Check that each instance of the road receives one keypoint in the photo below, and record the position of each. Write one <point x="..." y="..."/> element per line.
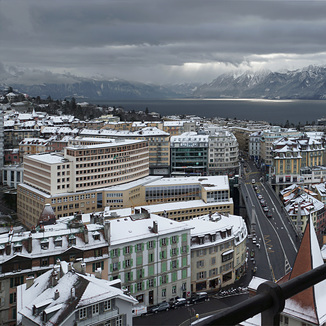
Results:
<point x="275" y="235"/>
<point x="182" y="315"/>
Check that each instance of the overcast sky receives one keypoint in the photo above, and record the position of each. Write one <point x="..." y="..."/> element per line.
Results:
<point x="161" y="41"/>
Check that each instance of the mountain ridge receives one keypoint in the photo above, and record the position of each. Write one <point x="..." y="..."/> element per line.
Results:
<point x="306" y="83"/>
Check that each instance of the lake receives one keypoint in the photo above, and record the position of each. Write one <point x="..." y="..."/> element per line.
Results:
<point x="273" y="111"/>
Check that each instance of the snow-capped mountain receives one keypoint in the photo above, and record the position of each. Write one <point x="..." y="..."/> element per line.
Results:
<point x="308" y="83"/>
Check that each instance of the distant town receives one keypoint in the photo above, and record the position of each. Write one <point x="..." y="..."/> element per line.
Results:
<point x="109" y="214"/>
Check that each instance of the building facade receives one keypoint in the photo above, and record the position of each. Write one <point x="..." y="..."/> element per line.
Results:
<point x="218" y="251"/>
<point x="75" y="180"/>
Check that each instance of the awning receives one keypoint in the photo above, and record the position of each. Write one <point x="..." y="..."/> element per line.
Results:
<point x="227" y="252"/>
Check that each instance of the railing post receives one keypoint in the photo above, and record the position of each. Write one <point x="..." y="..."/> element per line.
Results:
<point x="271" y="316"/>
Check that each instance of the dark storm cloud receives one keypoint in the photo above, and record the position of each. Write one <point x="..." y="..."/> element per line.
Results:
<point x="117" y="37"/>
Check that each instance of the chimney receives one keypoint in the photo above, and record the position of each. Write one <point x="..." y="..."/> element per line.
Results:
<point x="8" y="248"/>
<point x="29" y="243"/>
<point x="107" y="231"/>
<point x="79" y="266"/>
<point x="155" y="227"/>
<point x="54" y="278"/>
<point x="98" y="273"/>
<point x="86" y="234"/>
<point x="73" y="293"/>
<point x="29" y="282"/>
<point x="56" y="294"/>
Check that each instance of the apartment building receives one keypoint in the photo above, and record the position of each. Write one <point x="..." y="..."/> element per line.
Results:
<point x="302" y="206"/>
<point x="218" y="251"/>
<point x="293" y="156"/>
<point x="270" y="136"/>
<point x="223" y="152"/>
<point x="75" y="179"/>
<point x="30" y="254"/>
<point x="158" y="144"/>
<point x="151" y="256"/>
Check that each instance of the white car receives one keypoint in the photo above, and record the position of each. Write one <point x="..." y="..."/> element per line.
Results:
<point x="253" y="181"/>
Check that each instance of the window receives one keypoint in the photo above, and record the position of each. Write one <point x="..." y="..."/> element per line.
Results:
<point x="174" y="264"/>
<point x="200" y="264"/>
<point x="139" y="286"/>
<point x="45" y="261"/>
<point x="13" y="297"/>
<point x="127" y="250"/>
<point x="201" y="275"/>
<point x="163" y="254"/>
<point x="139" y="247"/>
<point x="151" y="283"/>
<point x="174" y="239"/>
<point x="164" y="279"/>
<point x="107" y="305"/>
<point x="174" y="289"/>
<point x="128" y="263"/>
<point x="163" y="242"/>
<point x="128" y="276"/>
<point x="114" y="252"/>
<point x="150" y="258"/>
<point x="115" y="266"/>
<point x="82" y="313"/>
<point x="150" y="244"/>
<point x="174" y="252"/>
<point x="95" y="309"/>
<point x="97" y="252"/>
<point x="119" y="321"/>
<point x="163" y="293"/>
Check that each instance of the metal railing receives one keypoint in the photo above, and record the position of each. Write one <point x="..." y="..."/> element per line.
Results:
<point x="269" y="300"/>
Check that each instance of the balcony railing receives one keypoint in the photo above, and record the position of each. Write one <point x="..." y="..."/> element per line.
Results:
<point x="269" y="300"/>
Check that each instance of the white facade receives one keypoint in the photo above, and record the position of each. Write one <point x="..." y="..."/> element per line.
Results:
<point x="151" y="256"/>
<point x="223" y="152"/>
<point x="12" y="175"/>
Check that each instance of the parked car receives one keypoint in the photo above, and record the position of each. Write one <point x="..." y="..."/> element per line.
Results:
<point x="260" y="197"/>
<point x="269" y="214"/>
<point x="201" y="296"/>
<point x="139" y="310"/>
<point x="179" y="303"/>
<point x="253" y="181"/>
<point x="160" y="307"/>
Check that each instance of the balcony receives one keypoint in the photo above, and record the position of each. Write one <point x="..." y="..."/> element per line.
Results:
<point x="269" y="300"/>
<point x="106" y="315"/>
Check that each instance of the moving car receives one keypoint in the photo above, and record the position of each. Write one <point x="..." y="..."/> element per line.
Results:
<point x="260" y="197"/>
<point x="269" y="214"/>
<point x="265" y="209"/>
<point x="179" y="303"/>
<point x="253" y="181"/>
<point x="201" y="296"/>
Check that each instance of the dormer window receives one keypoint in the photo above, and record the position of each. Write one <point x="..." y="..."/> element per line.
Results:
<point x="45" y="244"/>
<point x="18" y="247"/>
<point x="96" y="235"/>
<point x="72" y="240"/>
<point x="58" y="242"/>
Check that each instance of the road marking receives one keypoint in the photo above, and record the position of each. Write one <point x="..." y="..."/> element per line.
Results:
<point x="268" y="243"/>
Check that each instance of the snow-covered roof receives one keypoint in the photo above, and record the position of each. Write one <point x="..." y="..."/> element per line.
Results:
<point x="87" y="291"/>
<point x="126" y="229"/>
<point x="51" y="158"/>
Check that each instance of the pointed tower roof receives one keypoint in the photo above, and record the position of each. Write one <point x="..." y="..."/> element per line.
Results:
<point x="308" y="305"/>
<point x="47" y="216"/>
